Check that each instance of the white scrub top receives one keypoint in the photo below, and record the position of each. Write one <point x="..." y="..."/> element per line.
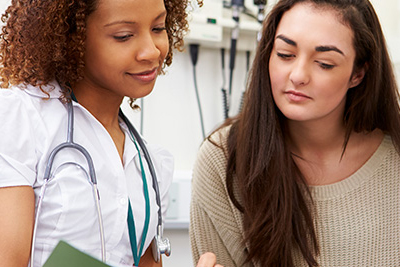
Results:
<point x="32" y="125"/>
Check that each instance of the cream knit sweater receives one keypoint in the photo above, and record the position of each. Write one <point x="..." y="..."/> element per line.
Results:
<point x="357" y="219"/>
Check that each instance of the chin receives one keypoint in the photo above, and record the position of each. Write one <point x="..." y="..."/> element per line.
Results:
<point x="296" y="117"/>
<point x="143" y="92"/>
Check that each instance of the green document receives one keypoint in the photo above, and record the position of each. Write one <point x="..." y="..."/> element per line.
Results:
<point x="64" y="255"/>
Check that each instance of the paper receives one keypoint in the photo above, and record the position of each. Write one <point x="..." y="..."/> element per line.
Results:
<point x="64" y="255"/>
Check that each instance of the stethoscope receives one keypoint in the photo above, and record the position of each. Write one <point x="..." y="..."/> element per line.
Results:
<point x="160" y="245"/>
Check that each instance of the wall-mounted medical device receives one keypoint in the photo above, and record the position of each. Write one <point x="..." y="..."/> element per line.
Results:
<point x="227" y="25"/>
<point x="212" y="24"/>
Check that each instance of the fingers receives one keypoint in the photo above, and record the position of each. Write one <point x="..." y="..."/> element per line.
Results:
<point x="208" y="259"/>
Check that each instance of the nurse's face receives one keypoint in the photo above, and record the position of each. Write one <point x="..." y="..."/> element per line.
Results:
<point x="311" y="65"/>
<point x="126" y="45"/>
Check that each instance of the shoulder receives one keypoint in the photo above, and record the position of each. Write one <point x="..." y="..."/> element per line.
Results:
<point x="22" y="133"/>
<point x="209" y="172"/>
<point x="51" y="90"/>
<point x="26" y="96"/>
<point x="25" y="104"/>
<point x="16" y="107"/>
<point x="388" y="157"/>
<point x="214" y="148"/>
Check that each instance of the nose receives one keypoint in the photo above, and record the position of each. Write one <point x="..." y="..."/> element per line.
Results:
<point x="300" y="73"/>
<point x="148" y="49"/>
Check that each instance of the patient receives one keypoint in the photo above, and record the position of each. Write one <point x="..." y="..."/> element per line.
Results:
<point x="309" y="173"/>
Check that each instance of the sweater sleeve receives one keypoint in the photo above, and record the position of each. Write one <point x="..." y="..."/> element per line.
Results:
<point x="205" y="238"/>
<point x="215" y="224"/>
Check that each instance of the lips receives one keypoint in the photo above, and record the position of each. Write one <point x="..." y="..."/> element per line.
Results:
<point x="145" y="76"/>
<point x="296" y="96"/>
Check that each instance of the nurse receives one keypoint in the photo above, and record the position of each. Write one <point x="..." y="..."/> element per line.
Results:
<point x="96" y="52"/>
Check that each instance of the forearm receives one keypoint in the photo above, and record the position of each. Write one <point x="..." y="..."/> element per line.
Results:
<point x="147" y="259"/>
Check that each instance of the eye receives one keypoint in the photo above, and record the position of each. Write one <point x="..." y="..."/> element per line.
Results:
<point x="284" y="56"/>
<point x="122" y="38"/>
<point x="159" y="29"/>
<point x="326" y="66"/>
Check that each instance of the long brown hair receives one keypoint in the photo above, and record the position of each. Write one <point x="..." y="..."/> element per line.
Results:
<point x="263" y="180"/>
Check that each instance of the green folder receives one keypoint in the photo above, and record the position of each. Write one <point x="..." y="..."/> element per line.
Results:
<point x="64" y="255"/>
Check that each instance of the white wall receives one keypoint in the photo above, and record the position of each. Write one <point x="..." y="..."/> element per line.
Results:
<point x="171" y="115"/>
<point x="4" y="4"/>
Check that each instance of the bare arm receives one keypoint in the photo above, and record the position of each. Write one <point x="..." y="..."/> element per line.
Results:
<point x="147" y="259"/>
<point x="17" y="209"/>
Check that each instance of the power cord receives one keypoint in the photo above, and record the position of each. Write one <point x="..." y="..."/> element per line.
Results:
<point x="225" y="103"/>
<point x="237" y="8"/>
<point x="247" y="74"/>
<point x="194" y="53"/>
<point x="141" y="115"/>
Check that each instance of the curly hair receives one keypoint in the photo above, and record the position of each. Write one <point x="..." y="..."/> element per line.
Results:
<point x="43" y="41"/>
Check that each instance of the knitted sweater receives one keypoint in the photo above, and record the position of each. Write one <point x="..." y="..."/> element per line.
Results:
<point x="357" y="219"/>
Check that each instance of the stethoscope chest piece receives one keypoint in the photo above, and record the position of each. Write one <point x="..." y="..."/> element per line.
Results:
<point x="160" y="246"/>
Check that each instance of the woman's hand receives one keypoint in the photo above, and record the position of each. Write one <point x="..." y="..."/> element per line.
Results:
<point x="208" y="259"/>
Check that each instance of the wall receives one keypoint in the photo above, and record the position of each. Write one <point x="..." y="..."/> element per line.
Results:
<point x="171" y="116"/>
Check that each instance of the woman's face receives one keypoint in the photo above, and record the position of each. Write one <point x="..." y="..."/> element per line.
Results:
<point x="311" y="64"/>
<point x="126" y="45"/>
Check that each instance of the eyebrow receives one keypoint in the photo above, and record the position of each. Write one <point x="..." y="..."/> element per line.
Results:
<point x="286" y="40"/>
<point x="327" y="48"/>
<point x="162" y="14"/>
<point x="321" y="48"/>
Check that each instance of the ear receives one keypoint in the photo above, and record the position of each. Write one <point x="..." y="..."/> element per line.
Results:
<point x="357" y="77"/>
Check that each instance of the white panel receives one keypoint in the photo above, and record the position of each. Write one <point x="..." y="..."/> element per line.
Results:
<point x="3" y="6"/>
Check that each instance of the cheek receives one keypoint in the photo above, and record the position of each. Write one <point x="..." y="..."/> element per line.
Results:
<point x="163" y="46"/>
<point x="96" y="52"/>
<point x="276" y="77"/>
<point x="98" y="62"/>
<point x="337" y="87"/>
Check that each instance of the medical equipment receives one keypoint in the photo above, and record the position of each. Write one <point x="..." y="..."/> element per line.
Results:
<point x="223" y="90"/>
<point x="160" y="245"/>
<point x="209" y="27"/>
<point x="237" y="8"/>
<point x="194" y="54"/>
<point x="260" y="16"/>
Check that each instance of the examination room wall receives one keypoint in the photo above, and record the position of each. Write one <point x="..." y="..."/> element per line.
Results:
<point x="171" y="115"/>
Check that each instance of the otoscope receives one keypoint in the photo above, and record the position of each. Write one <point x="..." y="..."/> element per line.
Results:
<point x="237" y="7"/>
<point x="260" y="16"/>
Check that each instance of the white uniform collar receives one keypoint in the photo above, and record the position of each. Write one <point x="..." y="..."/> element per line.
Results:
<point x="53" y="89"/>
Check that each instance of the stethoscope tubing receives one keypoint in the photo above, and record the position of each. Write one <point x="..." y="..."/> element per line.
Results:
<point x="160" y="245"/>
<point x="93" y="180"/>
<point x="92" y="175"/>
<point x="149" y="163"/>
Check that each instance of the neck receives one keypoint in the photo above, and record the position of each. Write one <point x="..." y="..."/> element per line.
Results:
<point x="310" y="140"/>
<point x="102" y="104"/>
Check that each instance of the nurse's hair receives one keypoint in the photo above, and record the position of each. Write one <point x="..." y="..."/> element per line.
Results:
<point x="263" y="180"/>
<point x="43" y="41"/>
